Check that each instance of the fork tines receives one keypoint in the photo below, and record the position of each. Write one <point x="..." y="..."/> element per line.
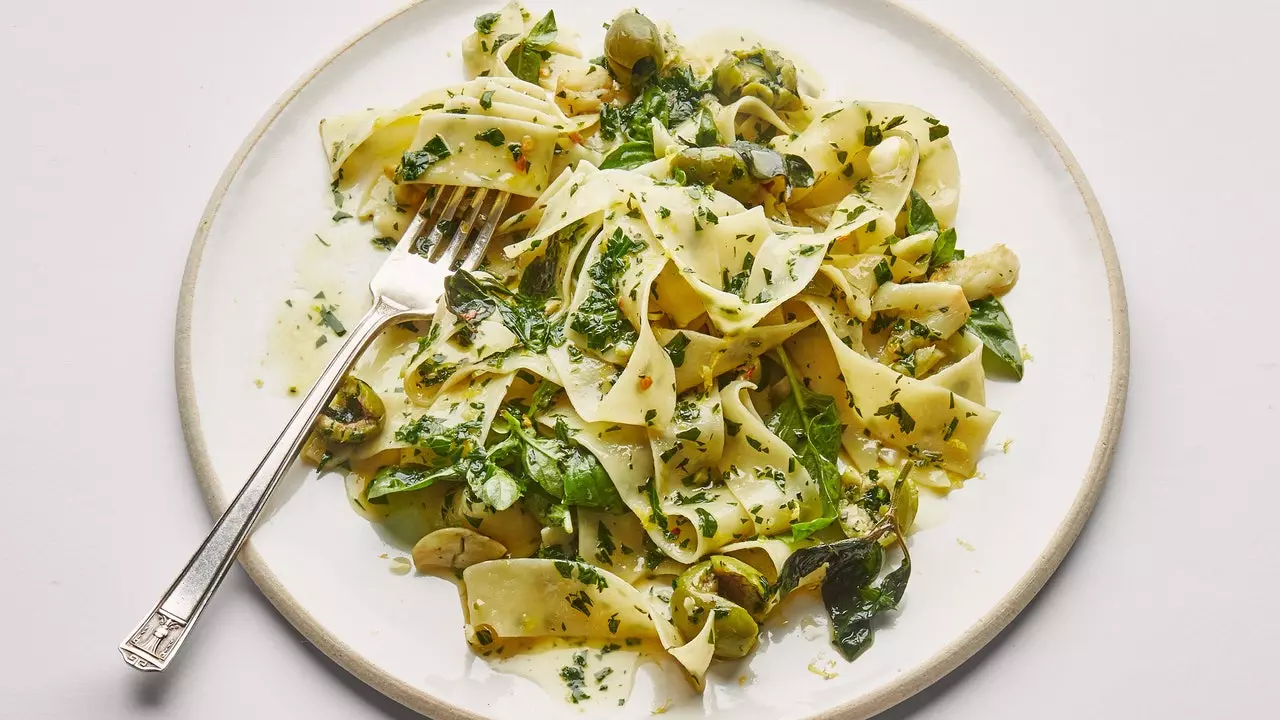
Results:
<point x="463" y="212"/>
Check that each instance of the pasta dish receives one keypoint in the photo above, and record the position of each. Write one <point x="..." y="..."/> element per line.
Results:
<point x="724" y="338"/>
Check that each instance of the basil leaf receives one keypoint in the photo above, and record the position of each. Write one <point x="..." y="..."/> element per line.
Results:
<point x="543" y="32"/>
<point x="524" y="62"/>
<point x="989" y="321"/>
<point x="944" y="249"/>
<point x="629" y="155"/>
<point x="920" y="216"/>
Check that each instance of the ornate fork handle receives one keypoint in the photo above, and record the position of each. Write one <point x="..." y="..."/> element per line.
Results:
<point x="154" y="643"/>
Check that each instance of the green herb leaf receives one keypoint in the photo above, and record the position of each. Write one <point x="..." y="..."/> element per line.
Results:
<point x="328" y="318"/>
<point x="493" y="136"/>
<point x="598" y="318"/>
<point x="809" y="424"/>
<point x="989" y="321"/>
<point x="920" y="216"/>
<point x="415" y="162"/>
<point x="542" y="397"/>
<point x="906" y="423"/>
<point x="564" y="469"/>
<point x="484" y="23"/>
<point x="707" y="524"/>
<point x="937" y="132"/>
<point x="524" y="62"/>
<point x="802" y="530"/>
<point x="882" y="272"/>
<point x="401" y="478"/>
<point x="944" y="249"/>
<point x="466" y="298"/>
<point x="799" y="173"/>
<point x="629" y="155"/>
<point x="543" y="32"/>
<point x="849" y="592"/>
<point x="872" y="135"/>
<point x="675" y="348"/>
<point x="340" y="216"/>
<point x="486" y="99"/>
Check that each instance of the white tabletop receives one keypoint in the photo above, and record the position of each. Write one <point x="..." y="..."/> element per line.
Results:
<point x="119" y="117"/>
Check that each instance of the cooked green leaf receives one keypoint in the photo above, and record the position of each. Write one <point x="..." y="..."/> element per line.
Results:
<point x="808" y="423"/>
<point x="524" y="62"/>
<point x="849" y="590"/>
<point x="944" y="249"/>
<point x="675" y="348"/>
<point x="598" y="318"/>
<point x="920" y="216"/>
<point x="415" y="162"/>
<point x="402" y="478"/>
<point x="493" y="136"/>
<point x="629" y="155"/>
<point x="543" y="32"/>
<point x="989" y="321"/>
<point x="484" y="23"/>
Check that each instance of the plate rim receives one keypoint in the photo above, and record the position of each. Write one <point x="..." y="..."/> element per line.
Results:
<point x="897" y="690"/>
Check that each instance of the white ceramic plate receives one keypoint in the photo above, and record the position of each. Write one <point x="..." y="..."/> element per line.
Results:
<point x="984" y="554"/>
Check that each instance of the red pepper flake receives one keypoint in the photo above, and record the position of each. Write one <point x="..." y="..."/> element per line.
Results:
<point x="646" y="382"/>
<point x="576" y="138"/>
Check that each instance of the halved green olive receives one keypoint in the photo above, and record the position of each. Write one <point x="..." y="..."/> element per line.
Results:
<point x="721" y="167"/>
<point x="734" y="595"/>
<point x="633" y="48"/>
<point x="353" y="415"/>
<point x="759" y="73"/>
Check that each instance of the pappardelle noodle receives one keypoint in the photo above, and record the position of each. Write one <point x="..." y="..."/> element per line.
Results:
<point x="722" y="340"/>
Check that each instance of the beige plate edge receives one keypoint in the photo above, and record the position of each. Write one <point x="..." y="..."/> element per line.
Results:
<point x="903" y="687"/>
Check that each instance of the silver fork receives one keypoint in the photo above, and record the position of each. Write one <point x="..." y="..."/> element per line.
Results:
<point x="406" y="287"/>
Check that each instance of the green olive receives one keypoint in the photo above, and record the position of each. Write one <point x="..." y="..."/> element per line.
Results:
<point x="732" y="593"/>
<point x="353" y="415"/>
<point x="633" y="48"/>
<point x="720" y="167"/>
<point x="759" y="73"/>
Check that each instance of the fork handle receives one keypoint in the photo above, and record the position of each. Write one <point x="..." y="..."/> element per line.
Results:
<point x="155" y="642"/>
